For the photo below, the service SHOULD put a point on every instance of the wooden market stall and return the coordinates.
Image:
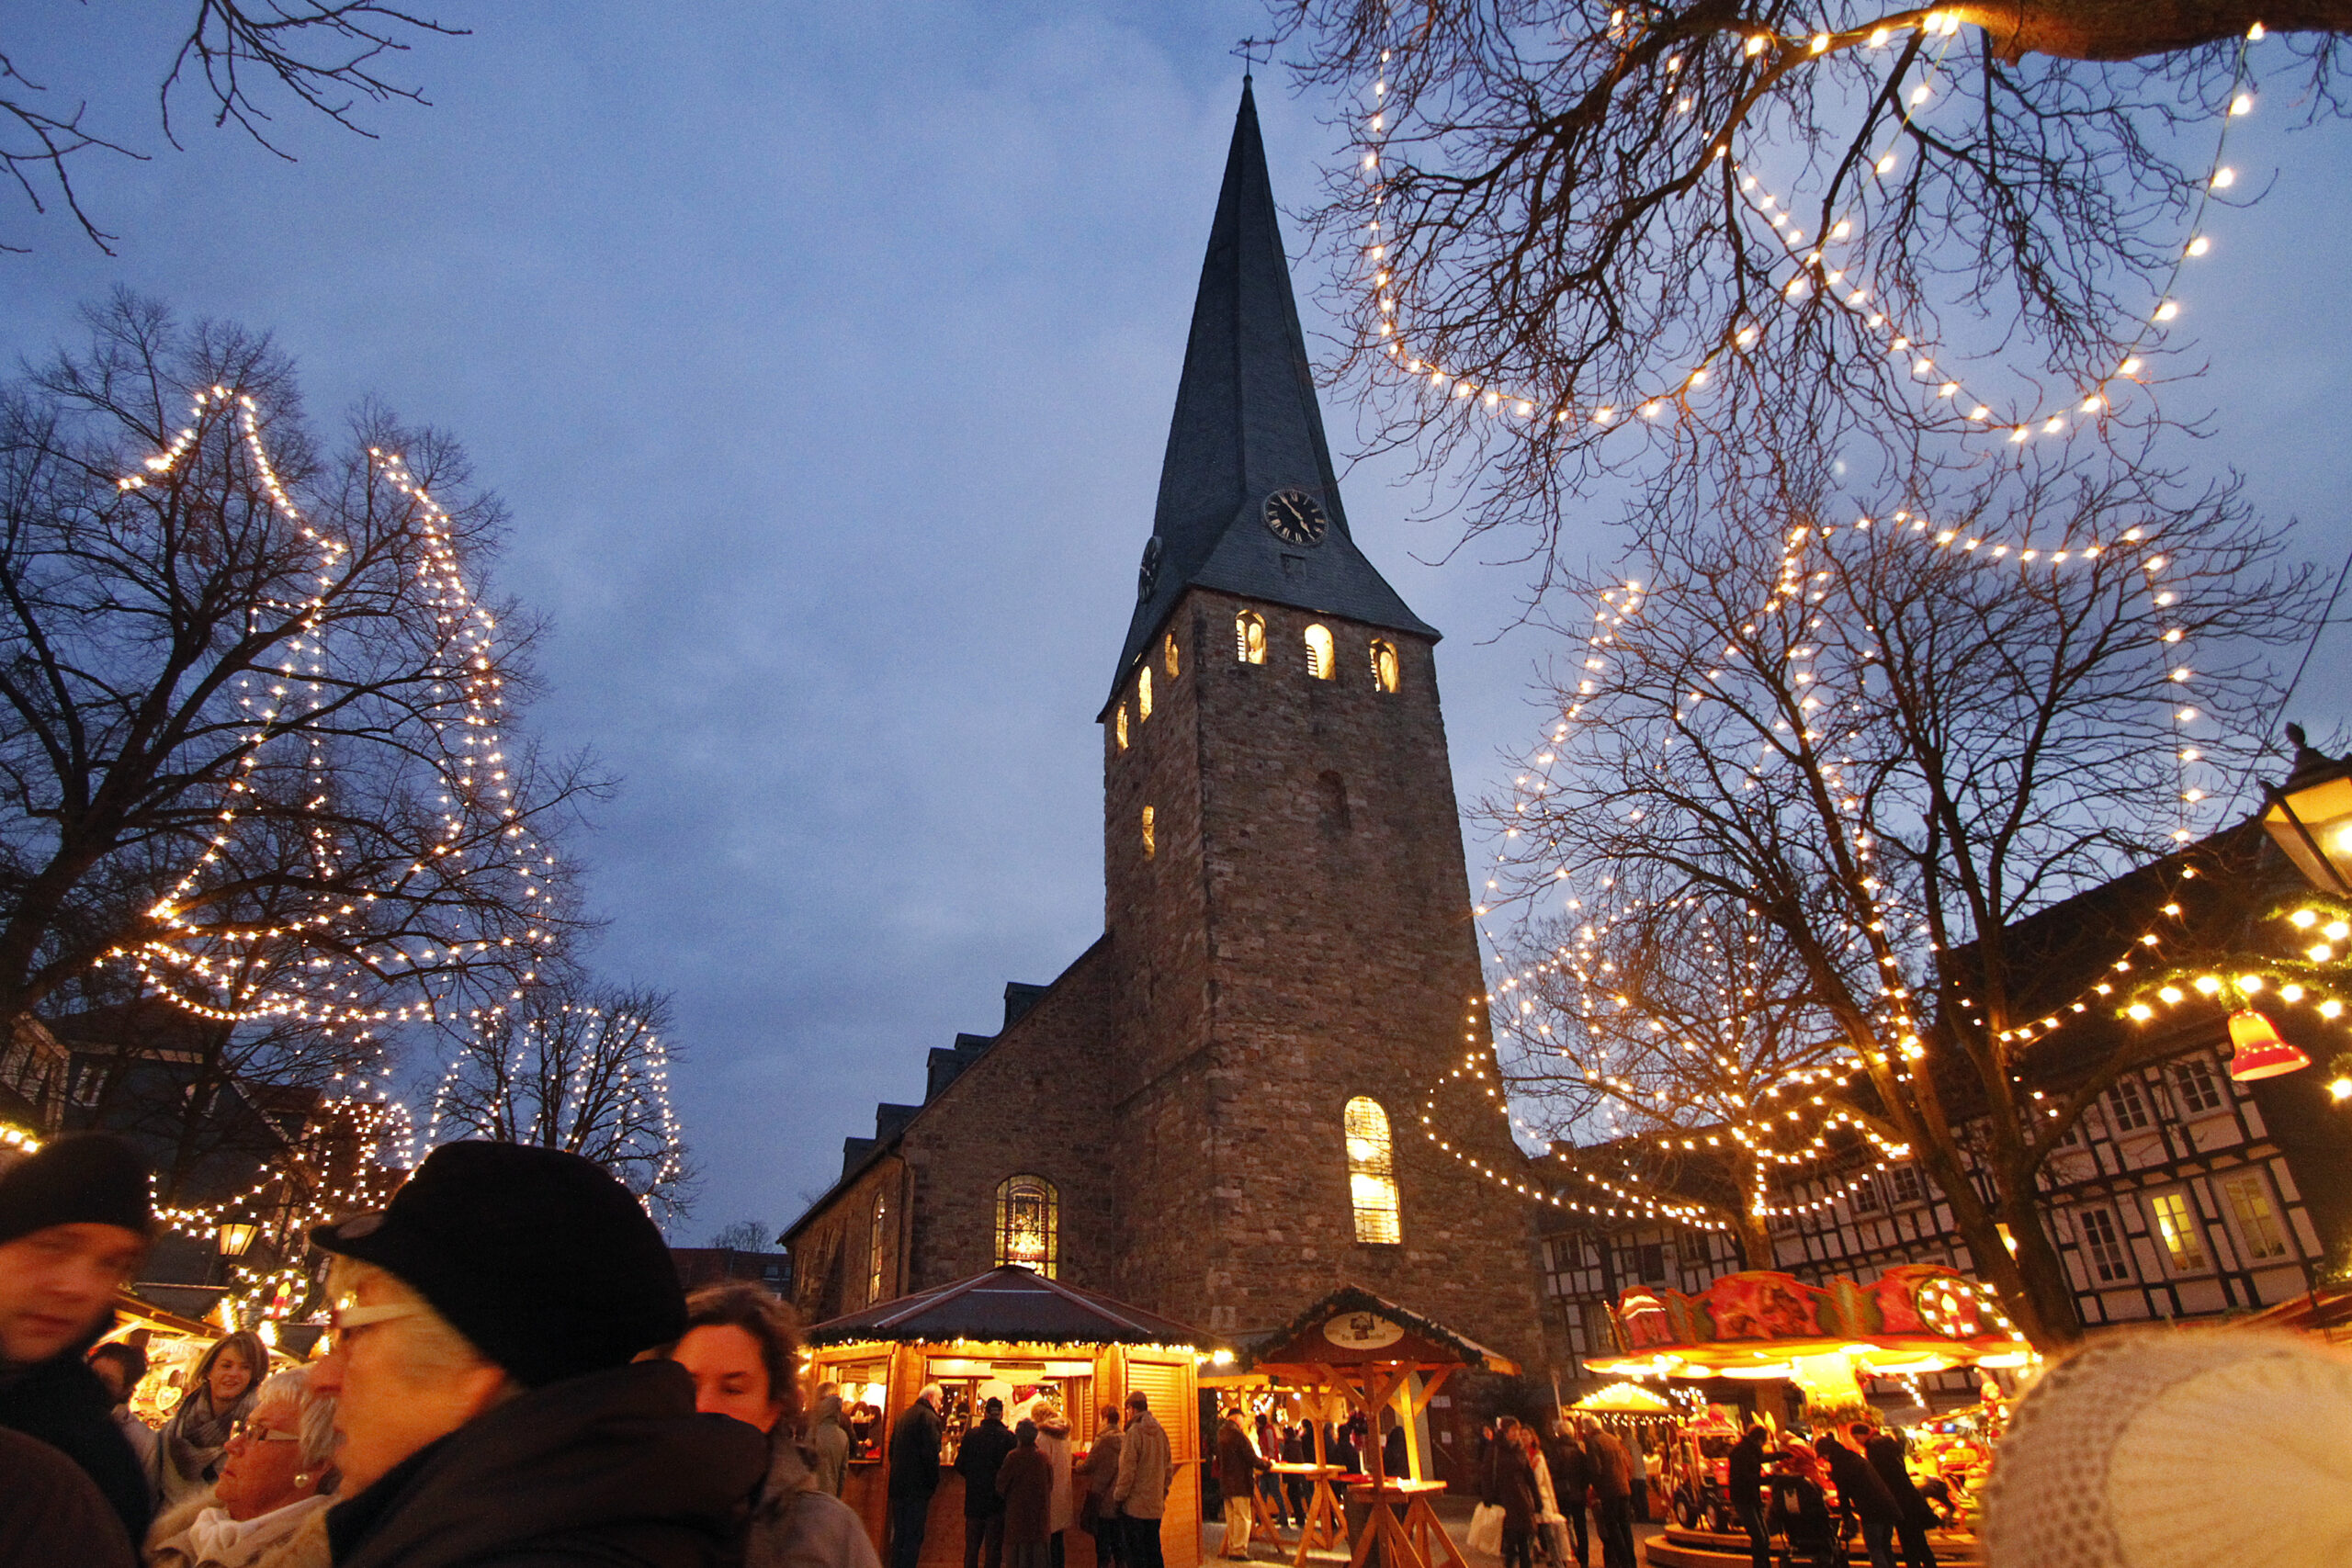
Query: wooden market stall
(1013, 1334)
(1370, 1356)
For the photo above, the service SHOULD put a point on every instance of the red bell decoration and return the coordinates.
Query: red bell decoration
(2256, 1050)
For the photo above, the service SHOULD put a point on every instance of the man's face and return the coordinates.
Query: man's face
(56, 1282)
(1135, 1413)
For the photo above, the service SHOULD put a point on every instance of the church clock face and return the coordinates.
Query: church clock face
(1293, 518)
(1148, 573)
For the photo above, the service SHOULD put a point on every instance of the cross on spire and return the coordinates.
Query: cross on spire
(1247, 50)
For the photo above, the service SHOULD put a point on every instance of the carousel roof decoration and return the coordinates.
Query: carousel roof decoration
(1354, 1325)
(1625, 1399)
(1008, 1304)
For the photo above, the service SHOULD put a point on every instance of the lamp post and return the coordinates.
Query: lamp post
(2310, 816)
(237, 1235)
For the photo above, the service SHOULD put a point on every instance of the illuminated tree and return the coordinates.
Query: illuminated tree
(1886, 740)
(579, 1069)
(1588, 236)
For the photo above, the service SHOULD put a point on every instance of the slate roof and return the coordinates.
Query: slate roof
(1009, 1303)
(1246, 424)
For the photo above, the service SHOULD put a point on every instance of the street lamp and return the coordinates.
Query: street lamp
(2310, 816)
(237, 1235)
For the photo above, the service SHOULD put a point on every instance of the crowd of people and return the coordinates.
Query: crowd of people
(1561, 1489)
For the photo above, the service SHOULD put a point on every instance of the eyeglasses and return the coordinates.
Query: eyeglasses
(344, 1322)
(252, 1434)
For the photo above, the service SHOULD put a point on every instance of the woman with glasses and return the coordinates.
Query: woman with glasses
(268, 1509)
(220, 1395)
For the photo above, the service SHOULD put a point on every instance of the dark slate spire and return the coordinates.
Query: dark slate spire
(1247, 426)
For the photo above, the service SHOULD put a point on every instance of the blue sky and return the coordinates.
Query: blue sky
(825, 356)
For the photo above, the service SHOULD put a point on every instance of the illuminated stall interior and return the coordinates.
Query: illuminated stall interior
(1017, 1334)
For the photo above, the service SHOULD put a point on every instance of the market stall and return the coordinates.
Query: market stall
(1013, 1334)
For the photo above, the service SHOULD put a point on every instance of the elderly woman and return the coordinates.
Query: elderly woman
(739, 1347)
(221, 1395)
(268, 1509)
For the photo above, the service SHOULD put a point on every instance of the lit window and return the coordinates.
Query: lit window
(1150, 838)
(2257, 1221)
(1028, 1224)
(1168, 655)
(1122, 726)
(2199, 1091)
(2177, 1224)
(2125, 1103)
(2105, 1244)
(1383, 666)
(1371, 1172)
(1143, 693)
(1319, 653)
(874, 1252)
(1249, 637)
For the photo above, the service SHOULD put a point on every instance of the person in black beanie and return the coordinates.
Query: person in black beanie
(74, 1227)
(486, 1329)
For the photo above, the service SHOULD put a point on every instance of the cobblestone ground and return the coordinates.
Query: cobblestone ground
(1453, 1512)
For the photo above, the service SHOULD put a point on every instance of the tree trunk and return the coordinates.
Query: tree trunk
(1755, 1238)
(2135, 30)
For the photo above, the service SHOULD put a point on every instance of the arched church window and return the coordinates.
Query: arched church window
(1143, 694)
(873, 1250)
(1169, 655)
(1384, 665)
(1249, 637)
(1028, 1224)
(1371, 1172)
(1150, 838)
(1120, 727)
(1319, 653)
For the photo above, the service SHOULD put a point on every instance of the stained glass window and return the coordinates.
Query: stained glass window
(1028, 1224)
(1371, 1172)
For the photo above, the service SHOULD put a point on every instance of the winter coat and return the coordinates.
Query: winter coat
(188, 1450)
(976, 1459)
(1513, 1485)
(1744, 1475)
(1395, 1457)
(797, 1523)
(1859, 1486)
(1238, 1464)
(914, 1453)
(1024, 1486)
(51, 1511)
(829, 1436)
(1100, 1469)
(1885, 1453)
(62, 1403)
(1607, 1464)
(1053, 1443)
(1547, 1500)
(608, 1468)
(1146, 1470)
(200, 1534)
(1571, 1475)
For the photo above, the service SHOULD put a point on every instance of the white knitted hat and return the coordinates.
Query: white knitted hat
(2183, 1449)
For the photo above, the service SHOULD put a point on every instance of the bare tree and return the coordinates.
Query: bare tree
(576, 1068)
(1893, 737)
(1586, 237)
(324, 54)
(744, 1236)
(255, 743)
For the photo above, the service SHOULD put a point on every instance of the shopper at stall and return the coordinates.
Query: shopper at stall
(1053, 1442)
(740, 1347)
(914, 1476)
(1510, 1487)
(1298, 1448)
(74, 1227)
(1610, 1470)
(220, 1394)
(268, 1509)
(1571, 1478)
(1913, 1518)
(1237, 1464)
(1859, 1493)
(487, 1330)
(1551, 1524)
(1146, 1469)
(1100, 1471)
(1268, 1437)
(1744, 1475)
(829, 1439)
(1024, 1486)
(976, 1457)
(121, 1367)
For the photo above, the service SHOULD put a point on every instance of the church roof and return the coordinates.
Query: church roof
(1246, 424)
(1009, 1304)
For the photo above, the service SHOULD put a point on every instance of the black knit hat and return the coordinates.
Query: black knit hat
(538, 1257)
(81, 1178)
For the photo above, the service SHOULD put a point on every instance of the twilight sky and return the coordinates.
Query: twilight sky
(825, 356)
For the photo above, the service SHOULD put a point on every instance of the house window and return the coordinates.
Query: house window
(1249, 637)
(2192, 1078)
(2105, 1246)
(1864, 1198)
(1371, 1172)
(1650, 1262)
(2127, 1105)
(874, 1252)
(1168, 655)
(2257, 1220)
(1383, 666)
(1908, 1188)
(2177, 1224)
(1121, 726)
(1028, 1224)
(1143, 693)
(1319, 653)
(1151, 837)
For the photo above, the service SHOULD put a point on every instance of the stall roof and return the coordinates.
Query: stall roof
(1302, 1338)
(1009, 1304)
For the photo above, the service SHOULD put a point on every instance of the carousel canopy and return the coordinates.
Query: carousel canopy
(1008, 1304)
(1622, 1399)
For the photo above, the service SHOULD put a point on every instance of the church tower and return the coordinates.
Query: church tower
(1290, 930)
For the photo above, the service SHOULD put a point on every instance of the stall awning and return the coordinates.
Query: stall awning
(1352, 1324)
(1008, 1304)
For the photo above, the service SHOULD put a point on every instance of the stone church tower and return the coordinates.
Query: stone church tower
(1223, 1096)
